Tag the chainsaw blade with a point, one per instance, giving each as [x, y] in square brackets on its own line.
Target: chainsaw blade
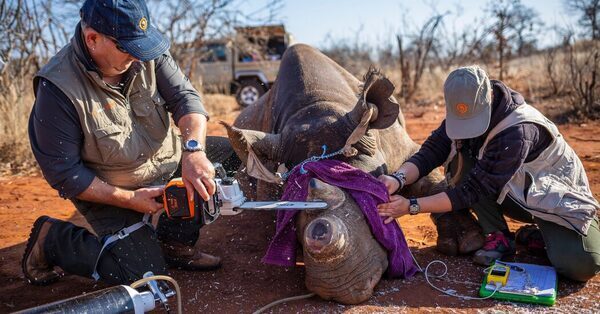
[282, 205]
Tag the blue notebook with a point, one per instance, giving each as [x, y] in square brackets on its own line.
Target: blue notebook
[526, 283]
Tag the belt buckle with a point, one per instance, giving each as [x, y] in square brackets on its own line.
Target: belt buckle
[122, 234]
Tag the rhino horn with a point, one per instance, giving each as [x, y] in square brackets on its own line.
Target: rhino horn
[319, 190]
[264, 145]
[377, 91]
[325, 237]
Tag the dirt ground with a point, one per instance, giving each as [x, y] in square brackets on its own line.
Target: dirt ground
[244, 284]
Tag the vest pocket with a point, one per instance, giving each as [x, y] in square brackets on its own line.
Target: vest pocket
[112, 146]
[150, 116]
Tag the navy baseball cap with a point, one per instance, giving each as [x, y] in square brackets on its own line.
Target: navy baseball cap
[128, 22]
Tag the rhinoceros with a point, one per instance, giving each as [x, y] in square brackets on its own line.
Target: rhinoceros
[315, 102]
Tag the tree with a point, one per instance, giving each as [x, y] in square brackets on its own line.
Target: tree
[416, 54]
[589, 10]
[526, 27]
[462, 47]
[353, 54]
[513, 26]
[584, 76]
[30, 32]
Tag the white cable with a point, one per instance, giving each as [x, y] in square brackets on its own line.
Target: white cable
[272, 304]
[448, 292]
[426, 273]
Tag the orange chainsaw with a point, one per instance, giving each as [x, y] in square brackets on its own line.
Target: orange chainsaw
[228, 200]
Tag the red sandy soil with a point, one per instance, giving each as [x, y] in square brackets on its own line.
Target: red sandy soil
[244, 284]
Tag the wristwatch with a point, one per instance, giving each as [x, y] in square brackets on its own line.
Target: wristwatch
[401, 178]
[192, 145]
[414, 207]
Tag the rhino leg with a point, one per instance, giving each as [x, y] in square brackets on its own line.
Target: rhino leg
[428, 185]
[447, 240]
[458, 231]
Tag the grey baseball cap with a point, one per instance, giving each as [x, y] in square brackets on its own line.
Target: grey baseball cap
[468, 96]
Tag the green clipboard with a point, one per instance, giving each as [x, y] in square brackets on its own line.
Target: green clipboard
[540, 277]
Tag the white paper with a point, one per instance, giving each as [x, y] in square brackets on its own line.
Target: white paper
[535, 280]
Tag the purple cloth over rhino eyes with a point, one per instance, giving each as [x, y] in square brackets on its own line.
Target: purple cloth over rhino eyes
[366, 190]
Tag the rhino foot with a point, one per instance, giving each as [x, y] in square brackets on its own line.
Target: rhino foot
[458, 233]
[447, 234]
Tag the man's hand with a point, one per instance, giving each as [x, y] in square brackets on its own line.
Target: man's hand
[397, 207]
[390, 183]
[197, 172]
[143, 200]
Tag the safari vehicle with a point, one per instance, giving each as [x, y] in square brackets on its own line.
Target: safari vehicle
[246, 65]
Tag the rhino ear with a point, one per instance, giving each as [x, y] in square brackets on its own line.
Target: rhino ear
[377, 90]
[264, 145]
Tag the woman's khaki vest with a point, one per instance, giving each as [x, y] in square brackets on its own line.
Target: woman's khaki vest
[559, 190]
[128, 139]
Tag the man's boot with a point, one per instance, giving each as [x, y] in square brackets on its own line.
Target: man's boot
[470, 235]
[181, 256]
[36, 268]
[447, 233]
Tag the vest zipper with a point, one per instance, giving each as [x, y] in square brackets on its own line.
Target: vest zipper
[128, 87]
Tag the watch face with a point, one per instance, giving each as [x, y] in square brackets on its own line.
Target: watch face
[413, 209]
[191, 144]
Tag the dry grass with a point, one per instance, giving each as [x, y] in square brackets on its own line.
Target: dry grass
[15, 152]
[527, 75]
[220, 108]
[219, 105]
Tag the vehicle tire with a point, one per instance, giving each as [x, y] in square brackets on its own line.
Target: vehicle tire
[249, 92]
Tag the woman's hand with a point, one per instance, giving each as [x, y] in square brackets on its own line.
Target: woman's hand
[390, 183]
[397, 207]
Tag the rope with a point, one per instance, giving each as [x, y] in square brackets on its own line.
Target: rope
[313, 159]
[347, 150]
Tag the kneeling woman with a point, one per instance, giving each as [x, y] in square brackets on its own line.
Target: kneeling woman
[505, 158]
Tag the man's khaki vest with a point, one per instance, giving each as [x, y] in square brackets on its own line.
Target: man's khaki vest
[559, 190]
[128, 139]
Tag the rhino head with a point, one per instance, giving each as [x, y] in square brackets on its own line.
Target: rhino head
[343, 261]
[315, 102]
[365, 126]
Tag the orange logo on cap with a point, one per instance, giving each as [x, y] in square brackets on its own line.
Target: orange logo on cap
[462, 108]
[143, 23]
